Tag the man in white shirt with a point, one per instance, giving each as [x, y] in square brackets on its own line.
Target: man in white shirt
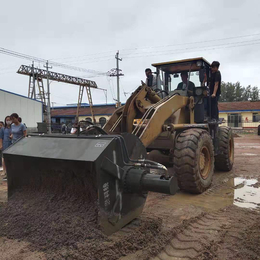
[151, 79]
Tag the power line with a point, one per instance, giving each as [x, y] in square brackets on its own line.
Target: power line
[201, 47]
[154, 47]
[77, 68]
[192, 49]
[192, 43]
[88, 55]
[139, 54]
[43, 61]
[109, 80]
[86, 61]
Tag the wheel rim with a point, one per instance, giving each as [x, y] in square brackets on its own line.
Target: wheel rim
[205, 162]
[231, 150]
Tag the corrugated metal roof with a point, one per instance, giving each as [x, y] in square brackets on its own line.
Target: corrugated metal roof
[239, 106]
[83, 111]
[9, 92]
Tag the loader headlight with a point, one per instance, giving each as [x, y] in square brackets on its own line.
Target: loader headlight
[198, 91]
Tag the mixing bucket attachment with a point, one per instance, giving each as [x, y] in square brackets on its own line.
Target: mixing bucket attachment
[96, 169]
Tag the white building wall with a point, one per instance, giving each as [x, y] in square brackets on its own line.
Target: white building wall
[28, 109]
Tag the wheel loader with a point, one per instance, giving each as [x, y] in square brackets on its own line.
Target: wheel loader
[116, 166]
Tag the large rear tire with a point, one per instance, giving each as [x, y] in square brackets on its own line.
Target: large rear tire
[225, 159]
[194, 160]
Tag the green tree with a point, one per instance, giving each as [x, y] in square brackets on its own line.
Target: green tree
[255, 94]
[231, 92]
[239, 91]
[247, 93]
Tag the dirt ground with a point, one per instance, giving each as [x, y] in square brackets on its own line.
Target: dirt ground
[222, 223]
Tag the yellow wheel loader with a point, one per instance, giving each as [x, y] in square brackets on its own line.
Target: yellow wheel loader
[115, 166]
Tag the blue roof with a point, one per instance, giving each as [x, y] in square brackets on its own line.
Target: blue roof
[19, 95]
[72, 116]
[75, 104]
[95, 105]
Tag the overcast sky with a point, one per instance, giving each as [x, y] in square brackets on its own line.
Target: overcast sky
[87, 34]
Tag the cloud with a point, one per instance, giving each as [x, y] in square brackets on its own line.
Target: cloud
[88, 34]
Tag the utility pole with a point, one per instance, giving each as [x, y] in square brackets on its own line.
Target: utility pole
[117, 76]
[48, 95]
[34, 90]
[52, 104]
[116, 73]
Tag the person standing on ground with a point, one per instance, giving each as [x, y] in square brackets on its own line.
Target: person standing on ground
[5, 140]
[63, 128]
[215, 89]
[18, 129]
[1, 127]
[20, 120]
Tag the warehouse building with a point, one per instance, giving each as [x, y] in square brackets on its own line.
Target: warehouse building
[67, 114]
[30, 110]
[244, 114]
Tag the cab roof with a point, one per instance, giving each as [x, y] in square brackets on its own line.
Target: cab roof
[181, 65]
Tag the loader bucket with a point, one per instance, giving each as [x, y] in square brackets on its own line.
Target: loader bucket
[96, 169]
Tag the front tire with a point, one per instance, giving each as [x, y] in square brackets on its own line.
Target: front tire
[194, 160]
[225, 159]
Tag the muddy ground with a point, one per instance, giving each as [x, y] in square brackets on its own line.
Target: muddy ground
[222, 223]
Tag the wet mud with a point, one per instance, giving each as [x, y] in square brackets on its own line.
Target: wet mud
[230, 233]
[221, 223]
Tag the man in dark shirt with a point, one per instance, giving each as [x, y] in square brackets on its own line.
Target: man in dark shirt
[183, 85]
[215, 89]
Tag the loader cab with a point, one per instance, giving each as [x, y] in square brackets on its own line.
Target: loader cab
[197, 71]
[169, 73]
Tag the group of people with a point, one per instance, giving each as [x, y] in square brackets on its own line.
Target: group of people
[11, 130]
[189, 86]
[70, 129]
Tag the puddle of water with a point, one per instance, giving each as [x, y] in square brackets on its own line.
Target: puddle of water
[245, 195]
[239, 191]
[249, 154]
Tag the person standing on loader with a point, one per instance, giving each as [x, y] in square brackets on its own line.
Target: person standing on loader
[150, 79]
[215, 89]
[185, 84]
